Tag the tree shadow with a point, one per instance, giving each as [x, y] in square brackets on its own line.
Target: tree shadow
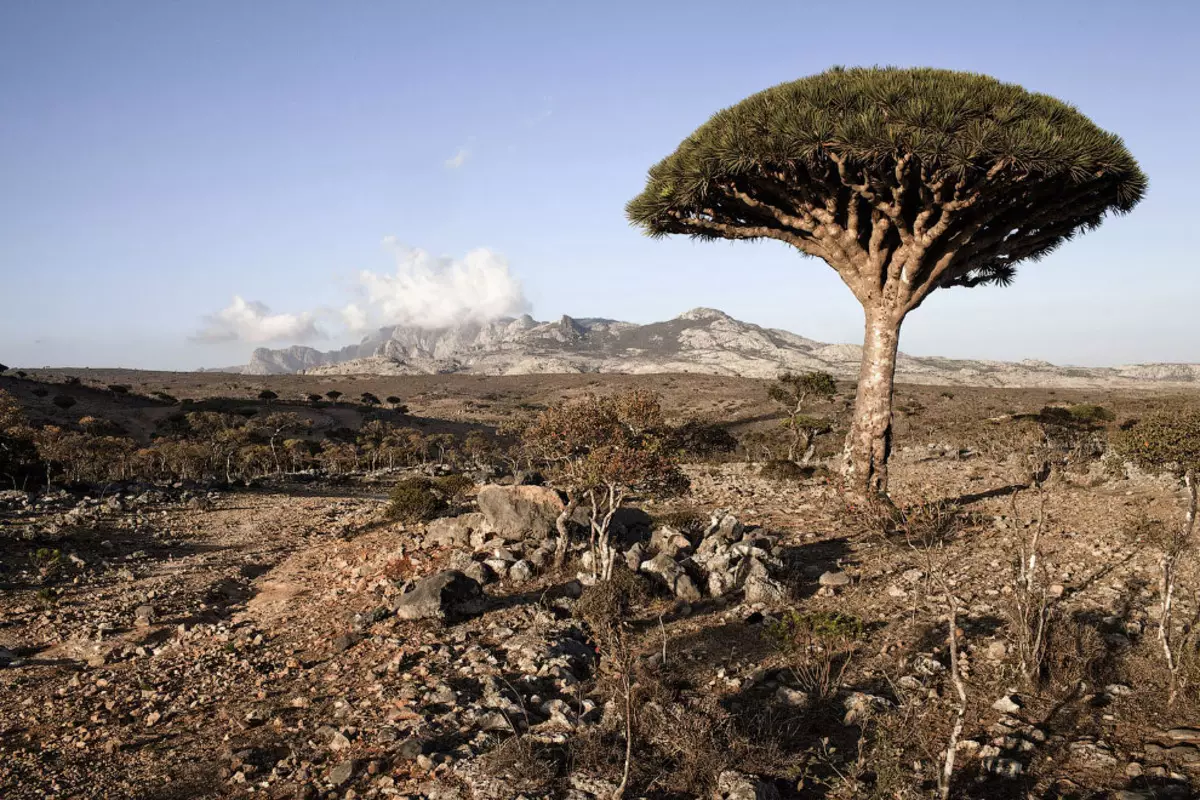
[988, 494]
[108, 547]
[803, 564]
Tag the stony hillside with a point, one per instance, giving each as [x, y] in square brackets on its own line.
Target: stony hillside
[700, 341]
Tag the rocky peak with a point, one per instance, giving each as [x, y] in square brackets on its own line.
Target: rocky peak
[703, 340]
[704, 315]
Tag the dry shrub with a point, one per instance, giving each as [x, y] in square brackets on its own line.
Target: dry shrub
[521, 764]
[690, 740]
[922, 526]
[606, 605]
[454, 487]
[784, 470]
[1075, 654]
[687, 521]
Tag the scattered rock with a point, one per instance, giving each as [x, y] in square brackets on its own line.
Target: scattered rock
[453, 531]
[447, 596]
[520, 572]
[834, 579]
[342, 774]
[516, 512]
[732, 785]
[1007, 704]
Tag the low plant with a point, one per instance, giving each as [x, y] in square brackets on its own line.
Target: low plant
[416, 500]
[784, 470]
[454, 487]
[818, 646]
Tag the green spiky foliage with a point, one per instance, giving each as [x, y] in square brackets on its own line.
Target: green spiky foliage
[869, 165]
[902, 180]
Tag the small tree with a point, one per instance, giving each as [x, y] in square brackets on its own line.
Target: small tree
[267, 395]
[904, 181]
[64, 401]
[1169, 443]
[478, 448]
[277, 426]
[3, 369]
[18, 455]
[333, 395]
[369, 399]
[118, 388]
[599, 451]
[313, 398]
[793, 393]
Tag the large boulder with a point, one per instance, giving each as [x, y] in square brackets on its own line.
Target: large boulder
[445, 596]
[673, 575]
[453, 531]
[517, 512]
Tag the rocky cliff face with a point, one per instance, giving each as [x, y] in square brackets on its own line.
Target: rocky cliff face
[703, 340]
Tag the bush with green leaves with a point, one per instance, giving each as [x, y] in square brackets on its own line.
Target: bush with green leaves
[454, 487]
[818, 647]
[416, 500]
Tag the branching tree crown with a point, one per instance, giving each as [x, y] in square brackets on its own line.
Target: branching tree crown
[958, 176]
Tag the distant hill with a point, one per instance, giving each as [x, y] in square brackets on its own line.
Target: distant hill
[702, 340]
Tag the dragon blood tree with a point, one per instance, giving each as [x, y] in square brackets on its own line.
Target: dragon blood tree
[902, 180]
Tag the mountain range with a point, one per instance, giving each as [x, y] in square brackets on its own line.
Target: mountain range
[702, 340]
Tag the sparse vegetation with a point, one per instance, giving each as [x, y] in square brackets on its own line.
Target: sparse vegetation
[845, 654]
[1171, 443]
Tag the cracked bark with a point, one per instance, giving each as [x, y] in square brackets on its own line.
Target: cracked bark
[869, 441]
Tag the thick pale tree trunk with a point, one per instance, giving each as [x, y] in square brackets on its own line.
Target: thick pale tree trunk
[869, 442]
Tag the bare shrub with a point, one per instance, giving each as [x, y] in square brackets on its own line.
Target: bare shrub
[520, 763]
[605, 608]
[1074, 654]
[1030, 607]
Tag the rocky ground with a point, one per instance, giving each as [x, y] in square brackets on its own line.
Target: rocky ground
[293, 642]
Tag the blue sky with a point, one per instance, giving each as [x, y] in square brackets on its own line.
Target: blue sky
[157, 159]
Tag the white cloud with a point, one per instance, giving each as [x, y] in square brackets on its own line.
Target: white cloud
[355, 318]
[424, 291]
[459, 158]
[252, 322]
[436, 292]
